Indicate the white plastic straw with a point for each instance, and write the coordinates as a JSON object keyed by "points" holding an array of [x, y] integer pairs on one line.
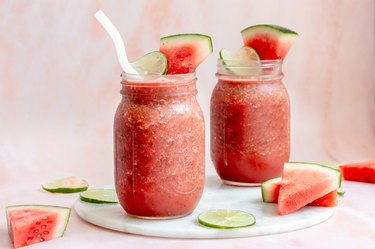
{"points": [[117, 40]]}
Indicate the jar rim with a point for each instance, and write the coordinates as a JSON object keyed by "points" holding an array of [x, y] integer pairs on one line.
{"points": [[254, 63], [257, 69], [156, 77]]}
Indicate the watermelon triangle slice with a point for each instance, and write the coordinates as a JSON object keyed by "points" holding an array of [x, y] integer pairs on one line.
{"points": [[303, 183], [30, 224], [271, 189], [271, 42], [185, 51], [360, 172]]}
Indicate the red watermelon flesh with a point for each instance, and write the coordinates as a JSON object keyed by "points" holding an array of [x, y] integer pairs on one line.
{"points": [[30, 224], [360, 172], [303, 183], [271, 42], [185, 52], [328, 200], [271, 189]]}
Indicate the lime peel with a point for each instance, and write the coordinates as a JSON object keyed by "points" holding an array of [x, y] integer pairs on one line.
{"points": [[244, 61], [70, 184], [226, 219], [152, 63], [99, 196]]}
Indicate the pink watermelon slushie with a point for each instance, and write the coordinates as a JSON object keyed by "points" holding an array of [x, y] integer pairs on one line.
{"points": [[159, 146], [250, 124]]}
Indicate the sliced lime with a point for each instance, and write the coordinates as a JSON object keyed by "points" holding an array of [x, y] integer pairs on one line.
{"points": [[225, 219], [341, 193], [99, 196], [244, 61], [66, 185], [151, 63]]}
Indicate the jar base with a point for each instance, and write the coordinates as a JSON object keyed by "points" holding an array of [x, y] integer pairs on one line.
{"points": [[241, 184], [158, 217]]}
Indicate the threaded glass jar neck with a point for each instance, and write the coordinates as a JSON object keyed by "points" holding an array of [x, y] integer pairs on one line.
{"points": [[254, 70], [158, 86], [146, 78]]}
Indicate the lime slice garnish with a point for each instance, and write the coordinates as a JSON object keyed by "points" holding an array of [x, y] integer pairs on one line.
{"points": [[151, 63], [66, 185], [99, 196], [226, 219], [341, 193], [244, 61], [243, 55]]}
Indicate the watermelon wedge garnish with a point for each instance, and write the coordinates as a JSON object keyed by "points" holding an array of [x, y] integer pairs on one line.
{"points": [[185, 51], [30, 224], [271, 42], [360, 172], [303, 183], [271, 189]]}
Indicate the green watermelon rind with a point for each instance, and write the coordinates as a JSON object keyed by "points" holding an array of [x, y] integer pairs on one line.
{"points": [[270, 27], [63, 219], [321, 165], [265, 188], [172, 39]]}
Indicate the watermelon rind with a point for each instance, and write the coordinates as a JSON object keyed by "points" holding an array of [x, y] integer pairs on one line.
{"points": [[151, 63], [266, 189], [70, 184], [271, 27], [63, 218], [182, 38]]}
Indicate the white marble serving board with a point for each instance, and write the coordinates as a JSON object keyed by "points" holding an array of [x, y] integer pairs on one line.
{"points": [[216, 196]]}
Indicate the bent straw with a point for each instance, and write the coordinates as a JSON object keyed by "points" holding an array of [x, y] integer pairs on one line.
{"points": [[117, 40]]}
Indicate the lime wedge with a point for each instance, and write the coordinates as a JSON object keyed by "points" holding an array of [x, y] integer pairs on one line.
{"points": [[226, 219], [244, 61], [66, 185], [151, 63], [99, 196]]}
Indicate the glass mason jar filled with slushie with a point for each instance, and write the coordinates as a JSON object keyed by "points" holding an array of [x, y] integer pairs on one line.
{"points": [[250, 110], [159, 143]]}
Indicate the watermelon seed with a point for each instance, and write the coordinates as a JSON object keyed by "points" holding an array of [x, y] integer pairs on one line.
{"points": [[44, 218], [45, 232], [44, 226], [36, 231], [38, 235], [41, 239]]}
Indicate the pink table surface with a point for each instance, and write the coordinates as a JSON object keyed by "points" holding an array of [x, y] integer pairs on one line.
{"points": [[352, 225]]}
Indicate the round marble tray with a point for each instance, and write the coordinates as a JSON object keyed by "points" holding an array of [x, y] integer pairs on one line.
{"points": [[216, 196]]}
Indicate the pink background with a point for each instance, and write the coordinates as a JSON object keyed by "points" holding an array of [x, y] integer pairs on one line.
{"points": [[59, 78]]}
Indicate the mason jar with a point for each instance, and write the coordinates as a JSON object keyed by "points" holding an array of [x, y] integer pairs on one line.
{"points": [[159, 146], [250, 122]]}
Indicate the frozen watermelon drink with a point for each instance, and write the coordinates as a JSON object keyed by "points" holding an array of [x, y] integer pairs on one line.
{"points": [[250, 112], [159, 133]]}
